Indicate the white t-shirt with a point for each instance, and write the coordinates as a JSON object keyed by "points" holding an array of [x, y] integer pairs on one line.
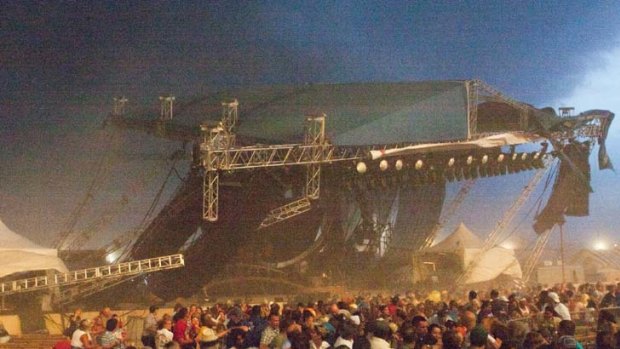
{"points": [[75, 339], [163, 337]]}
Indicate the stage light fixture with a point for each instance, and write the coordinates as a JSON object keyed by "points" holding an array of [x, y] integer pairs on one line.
{"points": [[537, 155], [514, 156], [419, 164], [523, 156], [383, 165], [500, 158], [470, 160], [361, 167], [485, 159], [451, 162], [398, 165]]}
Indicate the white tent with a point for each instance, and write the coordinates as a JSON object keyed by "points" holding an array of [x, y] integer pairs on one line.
{"points": [[485, 265], [18, 254], [462, 242], [493, 263]]}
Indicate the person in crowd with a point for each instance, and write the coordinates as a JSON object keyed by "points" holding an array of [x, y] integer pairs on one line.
{"points": [[566, 335], [257, 326], [270, 333], [164, 333], [150, 327], [81, 338], [420, 323], [558, 306], [452, 340], [549, 321], [435, 331], [535, 340], [315, 337], [237, 327], [208, 336], [609, 299], [99, 323], [109, 340], [380, 334], [478, 338], [74, 322], [346, 337], [180, 329]]}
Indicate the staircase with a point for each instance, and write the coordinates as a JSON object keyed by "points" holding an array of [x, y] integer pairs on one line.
{"points": [[32, 341]]}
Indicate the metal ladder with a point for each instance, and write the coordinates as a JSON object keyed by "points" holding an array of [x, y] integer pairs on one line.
{"points": [[115, 271]]}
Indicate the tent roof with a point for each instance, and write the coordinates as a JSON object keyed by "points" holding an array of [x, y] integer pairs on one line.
{"points": [[461, 238], [608, 258], [18, 254], [493, 263]]}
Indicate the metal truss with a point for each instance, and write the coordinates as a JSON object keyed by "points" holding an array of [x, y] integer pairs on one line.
{"points": [[534, 256], [121, 270], [287, 211], [472, 108], [166, 104], [119, 106], [450, 211], [210, 196], [501, 225], [314, 135]]}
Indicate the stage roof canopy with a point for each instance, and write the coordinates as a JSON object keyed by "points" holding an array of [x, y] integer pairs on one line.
{"points": [[357, 113]]}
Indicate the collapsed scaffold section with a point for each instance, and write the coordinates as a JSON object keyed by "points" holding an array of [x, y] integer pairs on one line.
{"points": [[114, 271]]}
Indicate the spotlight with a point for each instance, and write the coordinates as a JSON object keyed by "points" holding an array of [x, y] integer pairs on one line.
{"points": [[500, 158], [485, 159], [383, 165], [398, 165], [419, 164], [514, 156], [523, 156], [451, 162], [537, 155], [470, 160], [361, 167]]}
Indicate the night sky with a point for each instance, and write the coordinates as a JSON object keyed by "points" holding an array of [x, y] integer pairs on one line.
{"points": [[62, 62]]}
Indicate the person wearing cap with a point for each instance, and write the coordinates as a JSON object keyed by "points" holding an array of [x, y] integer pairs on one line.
{"points": [[208, 338], [559, 307], [150, 328], [237, 327]]}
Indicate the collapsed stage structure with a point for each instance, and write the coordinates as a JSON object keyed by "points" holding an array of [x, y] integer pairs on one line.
{"points": [[350, 193]]}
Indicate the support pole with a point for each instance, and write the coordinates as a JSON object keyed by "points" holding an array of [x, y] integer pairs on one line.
{"points": [[562, 253]]}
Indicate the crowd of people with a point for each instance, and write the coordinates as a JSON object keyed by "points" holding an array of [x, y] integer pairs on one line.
{"points": [[540, 319]]}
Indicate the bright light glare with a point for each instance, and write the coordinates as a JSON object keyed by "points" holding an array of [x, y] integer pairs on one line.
{"points": [[600, 245], [110, 258], [509, 245]]}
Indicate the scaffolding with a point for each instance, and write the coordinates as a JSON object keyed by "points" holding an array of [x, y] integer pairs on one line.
{"points": [[115, 271]]}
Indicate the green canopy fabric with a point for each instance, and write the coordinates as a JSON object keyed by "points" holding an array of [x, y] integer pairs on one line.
{"points": [[357, 113]]}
